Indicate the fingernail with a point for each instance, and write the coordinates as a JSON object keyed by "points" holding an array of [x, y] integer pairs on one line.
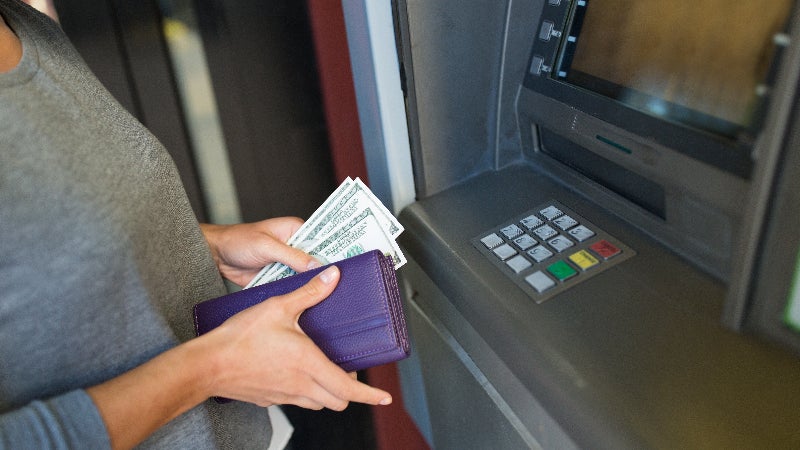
{"points": [[313, 264], [386, 401], [328, 274]]}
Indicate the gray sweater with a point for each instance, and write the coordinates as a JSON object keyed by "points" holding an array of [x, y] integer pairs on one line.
{"points": [[101, 256]]}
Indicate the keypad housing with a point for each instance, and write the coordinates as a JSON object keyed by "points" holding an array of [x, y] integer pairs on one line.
{"points": [[550, 249]]}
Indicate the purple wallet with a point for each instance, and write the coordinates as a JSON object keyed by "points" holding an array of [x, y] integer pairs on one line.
{"points": [[360, 325]]}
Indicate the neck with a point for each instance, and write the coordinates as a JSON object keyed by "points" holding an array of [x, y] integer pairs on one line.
{"points": [[10, 47]]}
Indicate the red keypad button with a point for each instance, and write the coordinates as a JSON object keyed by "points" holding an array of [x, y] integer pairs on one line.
{"points": [[605, 249]]}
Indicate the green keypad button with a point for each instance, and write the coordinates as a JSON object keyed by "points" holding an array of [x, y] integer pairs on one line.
{"points": [[561, 270]]}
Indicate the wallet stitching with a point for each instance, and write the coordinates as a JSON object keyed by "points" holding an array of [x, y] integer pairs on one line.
{"points": [[401, 337], [376, 267]]}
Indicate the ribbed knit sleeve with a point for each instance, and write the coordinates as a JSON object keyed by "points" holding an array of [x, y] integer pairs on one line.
{"points": [[67, 421]]}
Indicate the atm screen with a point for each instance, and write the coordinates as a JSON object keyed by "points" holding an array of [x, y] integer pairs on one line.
{"points": [[700, 63], [693, 76]]}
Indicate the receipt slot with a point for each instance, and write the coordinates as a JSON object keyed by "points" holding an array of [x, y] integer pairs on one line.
{"points": [[597, 223]]}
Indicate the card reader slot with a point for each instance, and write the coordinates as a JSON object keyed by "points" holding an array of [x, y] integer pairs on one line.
{"points": [[634, 187]]}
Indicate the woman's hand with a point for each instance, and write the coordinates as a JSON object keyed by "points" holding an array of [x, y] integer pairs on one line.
{"points": [[242, 250], [265, 357]]}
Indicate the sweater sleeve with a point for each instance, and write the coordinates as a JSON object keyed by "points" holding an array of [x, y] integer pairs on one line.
{"points": [[67, 421]]}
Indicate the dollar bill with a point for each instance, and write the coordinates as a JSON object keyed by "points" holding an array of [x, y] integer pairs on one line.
{"points": [[362, 233], [351, 203], [351, 221], [321, 212], [300, 235]]}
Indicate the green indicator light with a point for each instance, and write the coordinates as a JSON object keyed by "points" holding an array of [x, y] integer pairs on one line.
{"points": [[562, 270], [614, 144]]}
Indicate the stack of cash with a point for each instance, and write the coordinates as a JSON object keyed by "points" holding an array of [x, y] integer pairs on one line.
{"points": [[350, 222]]}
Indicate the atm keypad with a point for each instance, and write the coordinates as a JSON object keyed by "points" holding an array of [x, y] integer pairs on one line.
{"points": [[550, 249]]}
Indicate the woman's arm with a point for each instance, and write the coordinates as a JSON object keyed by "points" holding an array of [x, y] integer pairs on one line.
{"points": [[259, 355]]}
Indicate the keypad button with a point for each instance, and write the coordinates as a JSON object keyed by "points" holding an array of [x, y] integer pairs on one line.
{"points": [[511, 231], [565, 222], [525, 242], [581, 233], [584, 260], [492, 241], [605, 249], [551, 212], [545, 232], [539, 281], [504, 252], [532, 222], [518, 263], [561, 270], [560, 243], [539, 253]]}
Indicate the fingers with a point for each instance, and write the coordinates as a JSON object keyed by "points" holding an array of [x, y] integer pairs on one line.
{"points": [[295, 258], [281, 229], [354, 391], [344, 386], [278, 250], [336, 387]]}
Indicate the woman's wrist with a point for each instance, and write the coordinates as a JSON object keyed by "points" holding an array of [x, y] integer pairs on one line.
{"points": [[212, 234]]}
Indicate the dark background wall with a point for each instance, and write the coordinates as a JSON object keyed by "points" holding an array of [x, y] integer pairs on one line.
{"points": [[261, 60], [263, 70]]}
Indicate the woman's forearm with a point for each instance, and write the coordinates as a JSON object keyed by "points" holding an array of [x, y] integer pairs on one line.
{"points": [[137, 403]]}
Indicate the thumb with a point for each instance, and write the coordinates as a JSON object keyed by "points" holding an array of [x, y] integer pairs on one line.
{"points": [[313, 292]]}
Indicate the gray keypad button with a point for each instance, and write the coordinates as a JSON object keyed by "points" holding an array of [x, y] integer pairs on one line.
{"points": [[539, 253], [505, 251], [511, 231], [560, 243], [565, 222], [545, 232], [581, 233], [492, 240], [551, 212], [518, 263], [525, 242], [532, 222], [540, 281]]}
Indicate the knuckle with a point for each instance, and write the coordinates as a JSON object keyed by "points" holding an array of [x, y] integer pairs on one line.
{"points": [[336, 404], [340, 405]]}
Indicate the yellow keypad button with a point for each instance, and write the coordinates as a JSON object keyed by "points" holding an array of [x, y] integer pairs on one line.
{"points": [[584, 260]]}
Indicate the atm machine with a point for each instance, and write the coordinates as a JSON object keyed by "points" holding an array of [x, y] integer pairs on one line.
{"points": [[603, 250]]}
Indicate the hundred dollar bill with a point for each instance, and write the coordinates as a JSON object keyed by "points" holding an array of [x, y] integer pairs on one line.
{"points": [[321, 212], [349, 200], [388, 220], [354, 201], [302, 232], [361, 234]]}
